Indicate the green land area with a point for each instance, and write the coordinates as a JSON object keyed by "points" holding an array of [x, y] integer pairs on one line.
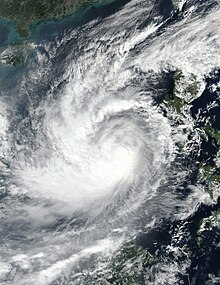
{"points": [[26, 12]]}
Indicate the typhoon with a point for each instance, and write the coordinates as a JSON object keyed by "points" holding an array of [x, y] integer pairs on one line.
{"points": [[105, 151]]}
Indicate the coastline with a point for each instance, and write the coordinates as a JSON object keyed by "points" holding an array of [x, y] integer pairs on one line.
{"points": [[58, 24]]}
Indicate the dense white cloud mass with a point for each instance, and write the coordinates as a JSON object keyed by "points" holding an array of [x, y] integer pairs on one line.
{"points": [[101, 146]]}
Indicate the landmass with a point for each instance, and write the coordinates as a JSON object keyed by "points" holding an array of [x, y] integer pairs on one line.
{"points": [[27, 12], [16, 53]]}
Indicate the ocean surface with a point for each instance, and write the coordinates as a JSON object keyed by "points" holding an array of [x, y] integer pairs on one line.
{"points": [[109, 155]]}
